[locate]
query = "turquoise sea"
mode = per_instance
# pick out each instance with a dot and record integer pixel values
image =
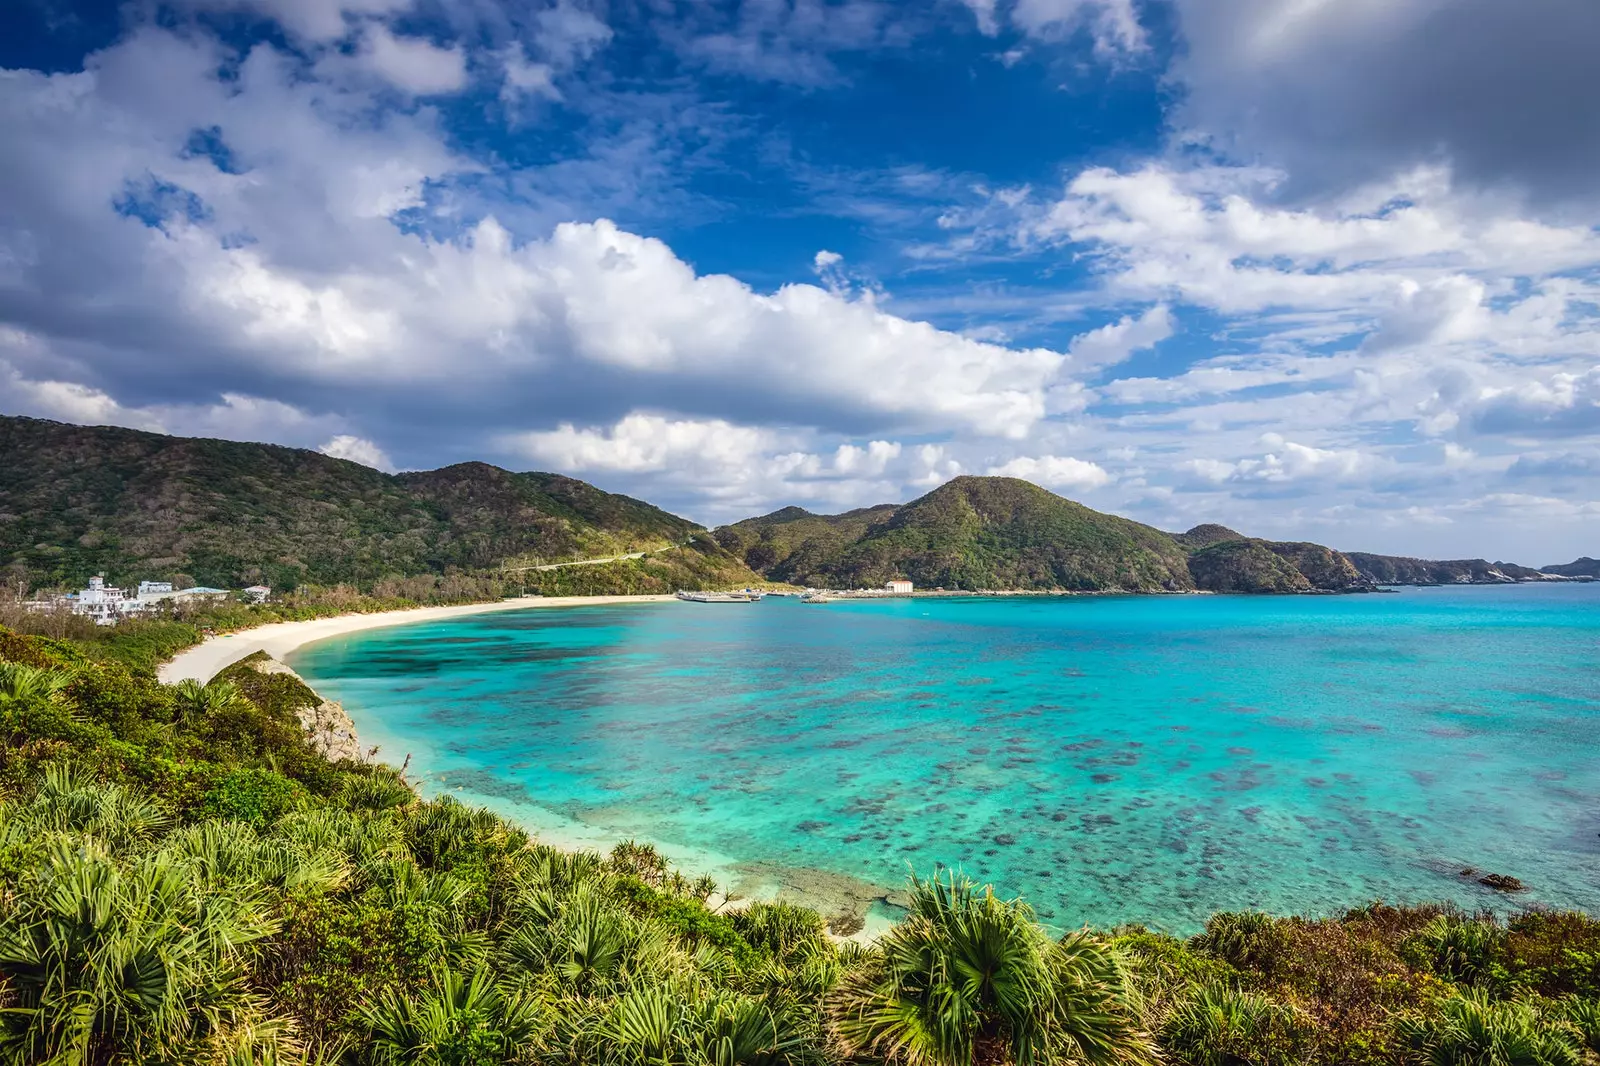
(1112, 759)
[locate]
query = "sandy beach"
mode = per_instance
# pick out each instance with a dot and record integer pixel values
(205, 660)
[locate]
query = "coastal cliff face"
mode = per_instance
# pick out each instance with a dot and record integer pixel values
(1399, 570)
(326, 722)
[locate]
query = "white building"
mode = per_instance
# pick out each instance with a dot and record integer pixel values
(898, 588)
(154, 590)
(258, 593)
(200, 592)
(106, 604)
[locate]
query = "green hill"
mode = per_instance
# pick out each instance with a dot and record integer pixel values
(1245, 565)
(792, 542)
(970, 533)
(1205, 535)
(77, 500)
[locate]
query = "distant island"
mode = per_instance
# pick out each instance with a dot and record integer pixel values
(77, 501)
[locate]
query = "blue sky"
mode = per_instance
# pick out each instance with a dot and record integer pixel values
(1315, 270)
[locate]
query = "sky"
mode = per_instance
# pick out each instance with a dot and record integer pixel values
(1314, 269)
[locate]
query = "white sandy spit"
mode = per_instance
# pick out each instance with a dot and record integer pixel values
(205, 660)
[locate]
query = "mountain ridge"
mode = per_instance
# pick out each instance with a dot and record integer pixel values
(77, 500)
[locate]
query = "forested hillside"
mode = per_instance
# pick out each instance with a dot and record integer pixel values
(77, 500)
(970, 533)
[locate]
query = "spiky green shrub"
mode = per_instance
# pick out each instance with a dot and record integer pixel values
(1458, 949)
(1246, 939)
(1220, 1026)
(1472, 1030)
(970, 977)
(108, 958)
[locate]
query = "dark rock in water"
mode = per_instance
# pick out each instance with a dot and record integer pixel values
(846, 924)
(1004, 839)
(1502, 883)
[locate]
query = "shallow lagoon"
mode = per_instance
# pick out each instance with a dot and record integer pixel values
(1113, 759)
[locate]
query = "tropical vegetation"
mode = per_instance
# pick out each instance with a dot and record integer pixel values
(184, 879)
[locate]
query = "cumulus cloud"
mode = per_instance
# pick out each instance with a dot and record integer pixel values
(357, 450)
(288, 263)
(412, 64)
(1055, 471)
(1116, 342)
(735, 469)
(1564, 405)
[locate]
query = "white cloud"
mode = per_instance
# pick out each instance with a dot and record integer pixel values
(357, 450)
(413, 64)
(736, 470)
(1563, 405)
(1054, 471)
(1114, 24)
(642, 443)
(523, 77)
(1116, 342)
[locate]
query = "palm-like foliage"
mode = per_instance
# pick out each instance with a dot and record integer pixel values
(1225, 1027)
(20, 683)
(1457, 949)
(460, 1021)
(138, 958)
(1471, 1030)
(743, 1032)
(971, 978)
(194, 703)
(66, 800)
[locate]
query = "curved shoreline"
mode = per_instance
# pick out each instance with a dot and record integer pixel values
(215, 654)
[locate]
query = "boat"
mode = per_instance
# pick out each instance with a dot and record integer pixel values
(717, 597)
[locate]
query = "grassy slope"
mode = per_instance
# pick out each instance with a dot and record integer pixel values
(76, 500)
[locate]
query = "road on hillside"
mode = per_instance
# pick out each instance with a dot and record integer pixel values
(592, 562)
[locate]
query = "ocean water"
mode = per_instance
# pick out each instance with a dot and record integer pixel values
(1111, 759)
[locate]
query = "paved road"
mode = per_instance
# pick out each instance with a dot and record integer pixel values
(590, 562)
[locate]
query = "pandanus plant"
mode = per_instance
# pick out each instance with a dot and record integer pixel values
(971, 979)
(1225, 1027)
(1472, 1030)
(459, 1021)
(194, 703)
(21, 683)
(121, 961)
(67, 800)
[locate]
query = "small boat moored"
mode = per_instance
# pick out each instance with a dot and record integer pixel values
(719, 597)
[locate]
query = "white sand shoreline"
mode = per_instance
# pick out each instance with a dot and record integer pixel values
(207, 659)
